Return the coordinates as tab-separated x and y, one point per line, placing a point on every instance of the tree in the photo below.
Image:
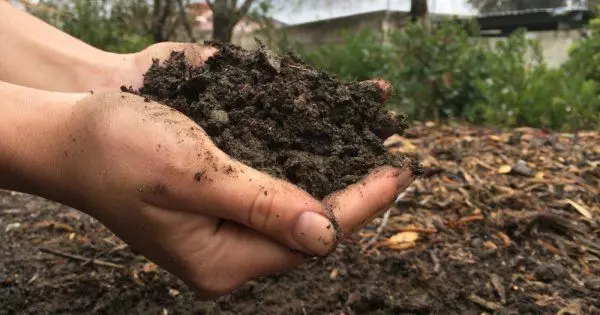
161	19
418	10
117	25
226	14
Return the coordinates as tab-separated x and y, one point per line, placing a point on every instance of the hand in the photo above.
137	64
155	178
158	182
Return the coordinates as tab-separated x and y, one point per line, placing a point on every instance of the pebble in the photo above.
549	272
219	117
593	283
522	168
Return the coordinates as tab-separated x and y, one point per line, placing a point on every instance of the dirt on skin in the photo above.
280	116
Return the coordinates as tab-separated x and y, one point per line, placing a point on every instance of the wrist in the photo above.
33	132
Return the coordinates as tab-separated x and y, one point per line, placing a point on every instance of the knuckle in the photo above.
216	284
262	209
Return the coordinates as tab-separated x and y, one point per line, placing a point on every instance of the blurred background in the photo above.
504	63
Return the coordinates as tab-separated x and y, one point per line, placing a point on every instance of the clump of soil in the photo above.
281	116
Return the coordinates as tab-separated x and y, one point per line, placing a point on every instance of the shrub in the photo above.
446	73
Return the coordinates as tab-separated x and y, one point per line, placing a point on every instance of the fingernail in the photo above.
405	179
403	186
314	233
385	89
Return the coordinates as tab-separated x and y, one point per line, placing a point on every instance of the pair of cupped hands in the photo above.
141	169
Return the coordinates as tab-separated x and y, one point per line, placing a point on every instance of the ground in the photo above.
501	222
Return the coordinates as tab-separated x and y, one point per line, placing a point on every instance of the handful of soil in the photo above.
281	116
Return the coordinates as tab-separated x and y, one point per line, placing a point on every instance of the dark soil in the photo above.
489	242
281	116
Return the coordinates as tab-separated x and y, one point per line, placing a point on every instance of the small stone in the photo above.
549	272
593	283
219	117
12	226
521	168
559	147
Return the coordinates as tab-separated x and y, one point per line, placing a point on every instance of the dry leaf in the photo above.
490	245
430	124
580	208
505	239
136	277
149	267
504	169
402	240
495	138
173	292
334	274
53	225
399	144
403	237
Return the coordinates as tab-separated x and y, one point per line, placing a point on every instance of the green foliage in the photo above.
446	73
584	57
522	93
101	23
362	55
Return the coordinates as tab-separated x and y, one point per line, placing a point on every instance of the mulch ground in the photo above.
501	222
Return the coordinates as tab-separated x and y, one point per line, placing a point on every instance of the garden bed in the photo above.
504	222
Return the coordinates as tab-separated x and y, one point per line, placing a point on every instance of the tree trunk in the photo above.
186	22
225	18
226	14
222	27
419	11
162	12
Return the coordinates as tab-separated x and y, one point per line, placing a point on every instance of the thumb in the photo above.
230	190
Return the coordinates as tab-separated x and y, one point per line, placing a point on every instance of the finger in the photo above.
215	184
356	205
196	54
383	86
236	255
191	174
271	206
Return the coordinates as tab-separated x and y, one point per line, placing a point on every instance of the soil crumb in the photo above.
281	116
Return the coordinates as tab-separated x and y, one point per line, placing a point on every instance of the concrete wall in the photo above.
329	31
555	44
314	34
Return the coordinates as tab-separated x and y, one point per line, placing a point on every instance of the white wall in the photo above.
296	12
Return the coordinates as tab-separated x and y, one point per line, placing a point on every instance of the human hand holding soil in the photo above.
151	174
155	179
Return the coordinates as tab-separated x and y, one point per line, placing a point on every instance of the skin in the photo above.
152	175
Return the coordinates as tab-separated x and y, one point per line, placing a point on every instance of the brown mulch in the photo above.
501	222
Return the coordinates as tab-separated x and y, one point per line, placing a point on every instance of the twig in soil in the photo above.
384	222
497	284
488	305
436	262
84	259
471	218
418	230
380	228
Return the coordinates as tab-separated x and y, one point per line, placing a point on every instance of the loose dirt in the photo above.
495	217
279	115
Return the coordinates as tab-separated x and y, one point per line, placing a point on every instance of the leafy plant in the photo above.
446	73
